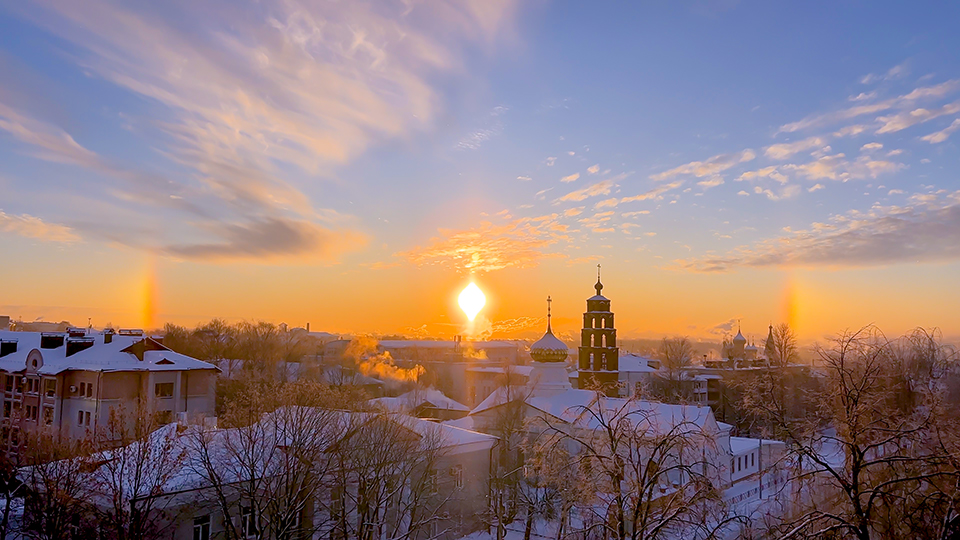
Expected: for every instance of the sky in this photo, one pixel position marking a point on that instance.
(355, 164)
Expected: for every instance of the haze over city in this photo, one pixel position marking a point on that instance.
(356, 164)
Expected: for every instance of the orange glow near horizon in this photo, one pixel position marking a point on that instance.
(148, 293)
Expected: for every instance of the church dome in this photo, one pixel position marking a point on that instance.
(739, 338)
(548, 348)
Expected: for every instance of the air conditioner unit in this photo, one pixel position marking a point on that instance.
(73, 389)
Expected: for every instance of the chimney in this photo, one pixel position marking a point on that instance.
(308, 327)
(108, 336)
(8, 346)
(50, 340)
(75, 345)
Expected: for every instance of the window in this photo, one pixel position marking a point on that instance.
(48, 415)
(89, 389)
(164, 389)
(432, 482)
(83, 389)
(6, 409)
(753, 459)
(51, 389)
(248, 523)
(457, 473)
(79, 418)
(739, 463)
(8, 383)
(19, 384)
(86, 417)
(201, 528)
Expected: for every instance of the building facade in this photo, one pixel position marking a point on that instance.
(72, 381)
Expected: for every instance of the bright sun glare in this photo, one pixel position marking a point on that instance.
(471, 300)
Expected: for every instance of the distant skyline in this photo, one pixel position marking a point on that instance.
(356, 164)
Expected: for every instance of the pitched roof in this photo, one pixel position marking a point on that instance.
(121, 354)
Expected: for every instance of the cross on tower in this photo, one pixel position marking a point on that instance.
(549, 301)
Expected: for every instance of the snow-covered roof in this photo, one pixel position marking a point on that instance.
(519, 370)
(597, 297)
(420, 397)
(548, 342)
(106, 357)
(173, 459)
(635, 363)
(573, 406)
(742, 445)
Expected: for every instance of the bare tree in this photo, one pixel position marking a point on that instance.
(139, 460)
(11, 489)
(386, 479)
(785, 349)
(509, 427)
(652, 475)
(675, 354)
(270, 463)
(867, 461)
(56, 507)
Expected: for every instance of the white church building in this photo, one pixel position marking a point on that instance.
(549, 397)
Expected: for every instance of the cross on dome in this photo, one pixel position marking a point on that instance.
(598, 286)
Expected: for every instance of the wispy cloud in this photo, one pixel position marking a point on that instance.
(711, 183)
(271, 239)
(939, 136)
(786, 192)
(906, 100)
(593, 169)
(787, 150)
(241, 97)
(493, 125)
(600, 188)
(520, 243)
(571, 178)
(653, 193)
(893, 73)
(928, 230)
(767, 172)
(837, 167)
(34, 227)
(903, 120)
(710, 167)
(607, 203)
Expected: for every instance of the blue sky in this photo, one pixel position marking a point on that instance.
(690, 147)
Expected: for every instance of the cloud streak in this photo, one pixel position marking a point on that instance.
(34, 227)
(520, 243)
(926, 231)
(711, 167)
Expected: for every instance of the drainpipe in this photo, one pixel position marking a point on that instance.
(96, 419)
(61, 382)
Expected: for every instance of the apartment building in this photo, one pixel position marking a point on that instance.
(71, 380)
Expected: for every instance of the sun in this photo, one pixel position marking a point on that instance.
(471, 300)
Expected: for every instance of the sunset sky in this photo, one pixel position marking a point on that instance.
(355, 164)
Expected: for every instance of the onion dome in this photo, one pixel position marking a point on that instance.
(739, 337)
(548, 348)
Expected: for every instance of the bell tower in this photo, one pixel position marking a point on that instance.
(599, 356)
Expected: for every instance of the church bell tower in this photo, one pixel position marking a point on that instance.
(599, 356)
